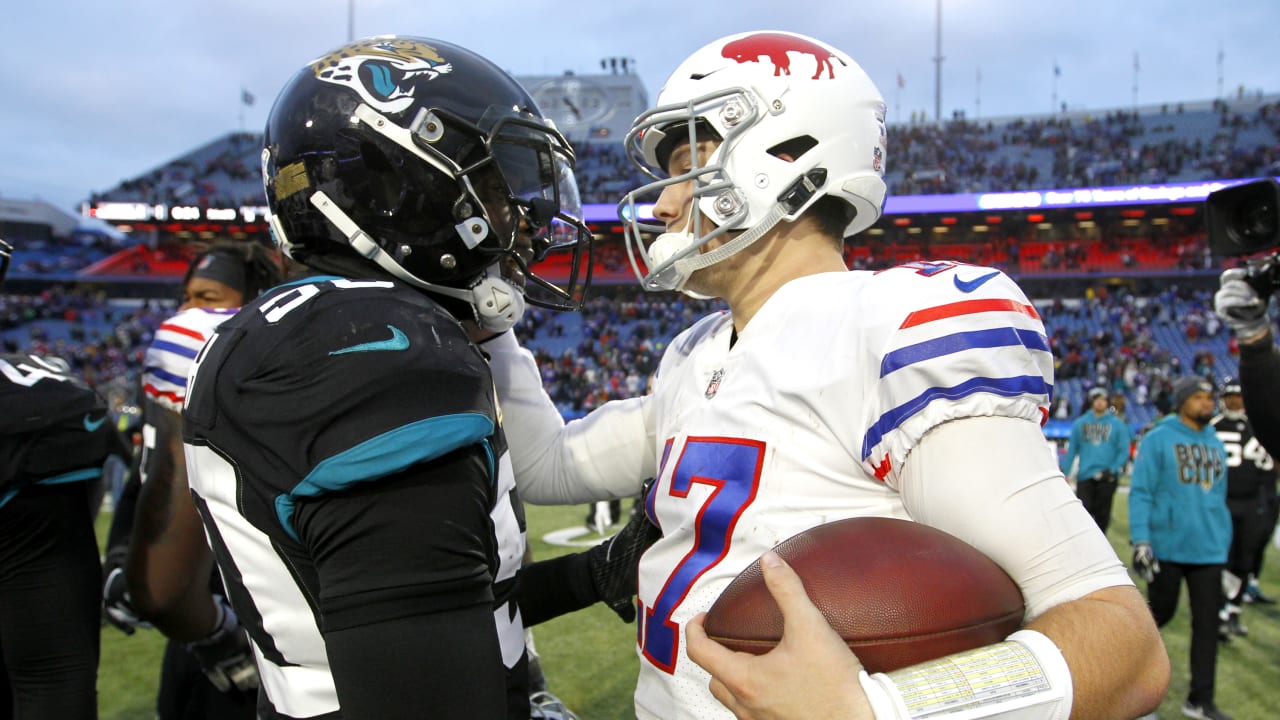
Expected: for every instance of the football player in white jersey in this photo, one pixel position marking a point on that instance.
(916, 392)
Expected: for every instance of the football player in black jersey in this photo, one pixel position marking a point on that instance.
(1251, 483)
(55, 434)
(344, 445)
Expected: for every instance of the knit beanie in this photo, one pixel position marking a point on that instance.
(1185, 387)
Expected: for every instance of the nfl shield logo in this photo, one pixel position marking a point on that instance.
(714, 385)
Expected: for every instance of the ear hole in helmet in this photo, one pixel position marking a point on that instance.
(791, 150)
(384, 185)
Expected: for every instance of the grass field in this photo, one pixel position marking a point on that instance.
(591, 664)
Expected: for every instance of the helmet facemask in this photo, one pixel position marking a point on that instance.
(671, 258)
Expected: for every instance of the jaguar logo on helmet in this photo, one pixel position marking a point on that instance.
(383, 71)
(776, 47)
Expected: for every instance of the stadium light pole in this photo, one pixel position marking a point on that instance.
(351, 21)
(937, 76)
(977, 96)
(1221, 57)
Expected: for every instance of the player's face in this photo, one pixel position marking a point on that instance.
(1233, 402)
(205, 293)
(675, 204)
(1100, 404)
(675, 208)
(493, 193)
(1199, 407)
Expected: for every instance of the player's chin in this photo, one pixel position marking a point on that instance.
(513, 272)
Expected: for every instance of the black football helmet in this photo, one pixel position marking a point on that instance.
(430, 162)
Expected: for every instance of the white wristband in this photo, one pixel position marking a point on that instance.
(886, 703)
(1023, 678)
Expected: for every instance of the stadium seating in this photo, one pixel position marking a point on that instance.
(1184, 143)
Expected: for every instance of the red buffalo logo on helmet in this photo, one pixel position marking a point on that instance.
(776, 46)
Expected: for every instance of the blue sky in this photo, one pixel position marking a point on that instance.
(96, 93)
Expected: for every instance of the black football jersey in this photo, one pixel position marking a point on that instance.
(53, 427)
(309, 419)
(1249, 466)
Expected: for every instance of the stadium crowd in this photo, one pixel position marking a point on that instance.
(958, 156)
(1135, 346)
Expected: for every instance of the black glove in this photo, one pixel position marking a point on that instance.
(117, 605)
(1106, 476)
(225, 655)
(614, 563)
(1145, 562)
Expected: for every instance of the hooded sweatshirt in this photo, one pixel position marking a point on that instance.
(1177, 495)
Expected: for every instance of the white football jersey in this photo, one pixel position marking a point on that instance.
(806, 418)
(169, 357)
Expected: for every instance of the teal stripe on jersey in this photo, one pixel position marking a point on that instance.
(74, 476)
(384, 455)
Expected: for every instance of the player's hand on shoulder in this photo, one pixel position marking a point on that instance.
(810, 674)
(225, 655)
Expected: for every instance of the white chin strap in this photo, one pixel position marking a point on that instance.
(497, 304)
(674, 256)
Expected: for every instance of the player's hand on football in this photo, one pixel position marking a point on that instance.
(810, 674)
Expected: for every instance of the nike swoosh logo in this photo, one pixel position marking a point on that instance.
(93, 425)
(968, 286)
(397, 341)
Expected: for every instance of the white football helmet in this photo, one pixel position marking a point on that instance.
(765, 95)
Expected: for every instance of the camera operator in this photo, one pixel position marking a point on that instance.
(1245, 220)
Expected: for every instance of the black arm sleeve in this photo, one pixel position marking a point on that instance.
(1260, 387)
(551, 588)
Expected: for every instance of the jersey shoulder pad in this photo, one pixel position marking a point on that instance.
(350, 368)
(953, 341)
(37, 392)
(177, 342)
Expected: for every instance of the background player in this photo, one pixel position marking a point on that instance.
(1251, 483)
(826, 393)
(1100, 440)
(1181, 529)
(212, 675)
(55, 434)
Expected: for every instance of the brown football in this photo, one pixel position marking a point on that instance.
(898, 592)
